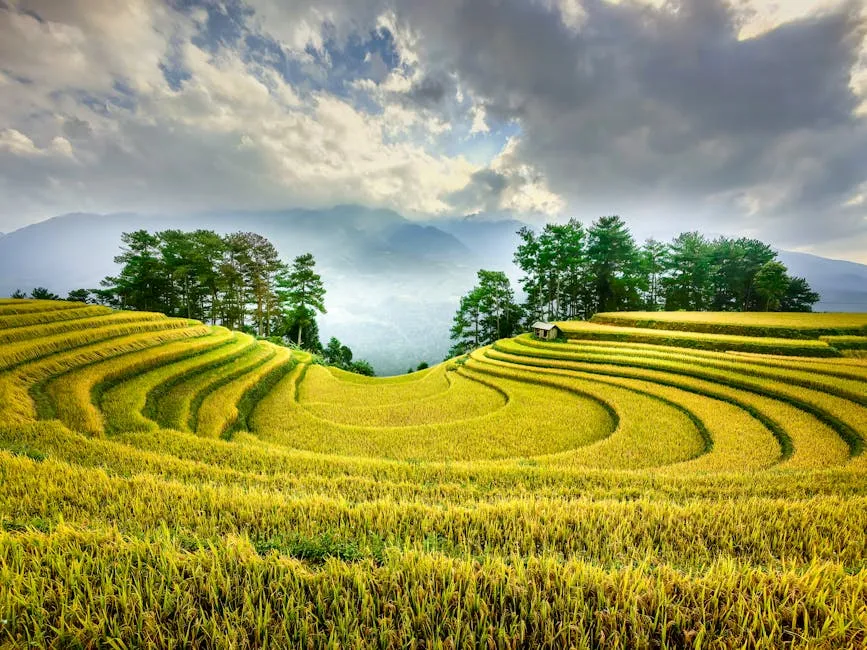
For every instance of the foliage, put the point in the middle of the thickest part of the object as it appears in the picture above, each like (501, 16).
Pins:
(41, 293)
(79, 295)
(771, 284)
(487, 313)
(572, 273)
(340, 356)
(229, 279)
(361, 367)
(301, 293)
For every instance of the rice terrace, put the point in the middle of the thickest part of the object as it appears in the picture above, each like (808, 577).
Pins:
(645, 480)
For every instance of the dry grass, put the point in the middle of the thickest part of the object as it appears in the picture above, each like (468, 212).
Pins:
(596, 493)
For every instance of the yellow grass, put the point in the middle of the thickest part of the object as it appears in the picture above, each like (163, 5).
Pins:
(123, 404)
(700, 340)
(595, 493)
(43, 330)
(10, 306)
(177, 404)
(462, 396)
(72, 392)
(51, 316)
(781, 320)
(219, 410)
(815, 443)
(15, 353)
(16, 404)
(351, 390)
(560, 421)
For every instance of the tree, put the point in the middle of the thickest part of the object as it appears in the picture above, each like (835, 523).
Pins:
(79, 295)
(41, 293)
(653, 264)
(799, 296)
(141, 283)
(18, 295)
(301, 293)
(422, 366)
(362, 367)
(206, 256)
(554, 266)
(572, 273)
(499, 314)
(771, 284)
(564, 252)
(487, 313)
(232, 270)
(613, 266)
(734, 264)
(687, 283)
(527, 258)
(337, 354)
(299, 324)
(466, 326)
(261, 266)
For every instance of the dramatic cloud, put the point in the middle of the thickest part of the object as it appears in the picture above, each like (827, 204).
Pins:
(732, 117)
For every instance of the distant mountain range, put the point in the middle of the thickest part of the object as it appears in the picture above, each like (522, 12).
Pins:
(393, 284)
(841, 284)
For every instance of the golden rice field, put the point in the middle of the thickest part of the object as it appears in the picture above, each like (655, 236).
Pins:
(664, 480)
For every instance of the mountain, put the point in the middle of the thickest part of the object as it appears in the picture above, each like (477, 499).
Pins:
(841, 284)
(393, 284)
(494, 240)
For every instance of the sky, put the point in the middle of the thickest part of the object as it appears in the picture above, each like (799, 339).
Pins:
(741, 117)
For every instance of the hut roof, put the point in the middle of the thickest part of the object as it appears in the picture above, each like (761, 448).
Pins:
(539, 325)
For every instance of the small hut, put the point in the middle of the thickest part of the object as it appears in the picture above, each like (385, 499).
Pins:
(546, 331)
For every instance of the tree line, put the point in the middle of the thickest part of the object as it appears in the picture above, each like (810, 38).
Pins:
(237, 280)
(572, 272)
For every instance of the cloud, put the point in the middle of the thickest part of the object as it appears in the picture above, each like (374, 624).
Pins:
(228, 130)
(672, 105)
(747, 117)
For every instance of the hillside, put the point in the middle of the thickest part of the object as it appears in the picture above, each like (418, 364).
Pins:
(647, 480)
(381, 269)
(393, 284)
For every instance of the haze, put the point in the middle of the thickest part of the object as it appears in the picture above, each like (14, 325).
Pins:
(733, 118)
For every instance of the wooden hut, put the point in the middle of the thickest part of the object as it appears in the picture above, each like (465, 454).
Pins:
(546, 331)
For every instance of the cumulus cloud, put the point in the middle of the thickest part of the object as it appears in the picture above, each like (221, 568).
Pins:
(733, 118)
(231, 131)
(738, 117)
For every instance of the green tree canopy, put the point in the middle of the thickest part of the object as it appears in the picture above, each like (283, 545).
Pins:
(41, 293)
(798, 296)
(569, 272)
(771, 284)
(613, 266)
(301, 293)
(79, 295)
(487, 313)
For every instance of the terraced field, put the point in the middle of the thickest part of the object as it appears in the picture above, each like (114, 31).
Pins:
(651, 480)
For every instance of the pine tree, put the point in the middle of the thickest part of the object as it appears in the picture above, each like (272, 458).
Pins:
(613, 266)
(301, 294)
(771, 284)
(488, 312)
